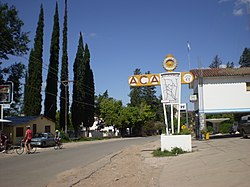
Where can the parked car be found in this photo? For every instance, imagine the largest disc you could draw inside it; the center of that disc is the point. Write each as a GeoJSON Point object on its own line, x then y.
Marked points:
{"type": "Point", "coordinates": [244, 126]}
{"type": "Point", "coordinates": [43, 140]}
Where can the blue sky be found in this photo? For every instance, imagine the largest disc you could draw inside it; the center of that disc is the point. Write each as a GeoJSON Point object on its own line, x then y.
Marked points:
{"type": "Point", "coordinates": [127, 34]}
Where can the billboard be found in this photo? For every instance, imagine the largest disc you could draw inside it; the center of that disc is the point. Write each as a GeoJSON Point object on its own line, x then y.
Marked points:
{"type": "Point", "coordinates": [171, 87]}
{"type": "Point", "coordinates": [6, 93]}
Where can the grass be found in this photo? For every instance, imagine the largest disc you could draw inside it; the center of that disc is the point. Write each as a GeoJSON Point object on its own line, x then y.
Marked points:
{"type": "Point", "coordinates": [174, 152]}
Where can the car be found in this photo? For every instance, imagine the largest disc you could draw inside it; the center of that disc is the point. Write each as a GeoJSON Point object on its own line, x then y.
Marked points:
{"type": "Point", "coordinates": [43, 139]}
{"type": "Point", "coordinates": [244, 126]}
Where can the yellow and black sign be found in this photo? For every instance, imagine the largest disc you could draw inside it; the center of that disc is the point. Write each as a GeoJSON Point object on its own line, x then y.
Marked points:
{"type": "Point", "coordinates": [154, 79]}
{"type": "Point", "coordinates": [144, 80]}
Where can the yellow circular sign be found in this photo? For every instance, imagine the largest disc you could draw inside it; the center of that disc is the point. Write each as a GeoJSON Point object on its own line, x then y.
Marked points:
{"type": "Point", "coordinates": [169, 63]}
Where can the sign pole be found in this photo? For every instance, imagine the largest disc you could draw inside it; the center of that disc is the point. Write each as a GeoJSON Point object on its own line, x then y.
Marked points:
{"type": "Point", "coordinates": [172, 118]}
{"type": "Point", "coordinates": [165, 117]}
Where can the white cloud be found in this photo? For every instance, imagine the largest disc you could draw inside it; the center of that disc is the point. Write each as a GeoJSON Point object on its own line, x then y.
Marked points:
{"type": "Point", "coordinates": [243, 1]}
{"type": "Point", "coordinates": [92, 34]}
{"type": "Point", "coordinates": [223, 1]}
{"type": "Point", "coordinates": [238, 12]}
{"type": "Point", "coordinates": [239, 6]}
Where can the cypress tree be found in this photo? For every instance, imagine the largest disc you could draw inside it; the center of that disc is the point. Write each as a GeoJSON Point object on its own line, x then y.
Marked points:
{"type": "Point", "coordinates": [64, 76]}
{"type": "Point", "coordinates": [50, 103]}
{"type": "Point", "coordinates": [76, 111]}
{"type": "Point", "coordinates": [33, 97]}
{"type": "Point", "coordinates": [89, 90]}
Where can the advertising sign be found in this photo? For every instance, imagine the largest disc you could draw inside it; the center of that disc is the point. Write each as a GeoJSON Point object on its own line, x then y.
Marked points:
{"type": "Point", "coordinates": [171, 87]}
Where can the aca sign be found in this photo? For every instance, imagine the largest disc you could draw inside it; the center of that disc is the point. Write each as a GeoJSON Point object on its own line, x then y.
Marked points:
{"type": "Point", "coordinates": [144, 80]}
{"type": "Point", "coordinates": [154, 79]}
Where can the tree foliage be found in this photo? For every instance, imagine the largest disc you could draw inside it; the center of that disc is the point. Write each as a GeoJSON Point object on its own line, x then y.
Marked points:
{"type": "Point", "coordinates": [110, 111]}
{"type": "Point", "coordinates": [64, 95]}
{"type": "Point", "coordinates": [50, 103]}
{"type": "Point", "coordinates": [33, 86]}
{"type": "Point", "coordinates": [216, 62]}
{"type": "Point", "coordinates": [245, 58]}
{"type": "Point", "coordinates": [77, 107]}
{"type": "Point", "coordinates": [15, 73]}
{"type": "Point", "coordinates": [135, 92]}
{"type": "Point", "coordinates": [89, 90]}
{"type": "Point", "coordinates": [13, 41]}
{"type": "Point", "coordinates": [230, 65]}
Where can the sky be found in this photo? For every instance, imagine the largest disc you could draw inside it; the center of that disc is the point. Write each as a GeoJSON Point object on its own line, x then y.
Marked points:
{"type": "Point", "coordinates": [123, 35]}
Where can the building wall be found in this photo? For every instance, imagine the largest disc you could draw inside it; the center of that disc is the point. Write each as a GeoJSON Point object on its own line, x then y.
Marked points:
{"type": "Point", "coordinates": [223, 94]}
{"type": "Point", "coordinates": [40, 122]}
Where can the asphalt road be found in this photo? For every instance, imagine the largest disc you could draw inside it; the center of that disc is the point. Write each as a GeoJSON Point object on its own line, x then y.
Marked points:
{"type": "Point", "coordinates": [39, 168]}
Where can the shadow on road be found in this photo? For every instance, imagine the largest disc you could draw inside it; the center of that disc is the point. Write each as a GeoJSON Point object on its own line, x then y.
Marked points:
{"type": "Point", "coordinates": [218, 136]}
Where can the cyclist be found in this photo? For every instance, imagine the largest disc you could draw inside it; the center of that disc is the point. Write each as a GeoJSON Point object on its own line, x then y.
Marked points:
{"type": "Point", "coordinates": [57, 136]}
{"type": "Point", "coordinates": [27, 139]}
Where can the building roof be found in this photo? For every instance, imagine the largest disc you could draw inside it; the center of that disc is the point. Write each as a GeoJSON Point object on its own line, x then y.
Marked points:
{"type": "Point", "coordinates": [220, 72]}
{"type": "Point", "coordinates": [20, 120]}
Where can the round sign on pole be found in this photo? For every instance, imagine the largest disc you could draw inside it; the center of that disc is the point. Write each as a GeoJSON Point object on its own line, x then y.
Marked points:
{"type": "Point", "coordinates": [169, 63]}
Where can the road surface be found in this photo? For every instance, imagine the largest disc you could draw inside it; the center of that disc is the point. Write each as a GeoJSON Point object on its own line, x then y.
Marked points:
{"type": "Point", "coordinates": [39, 168]}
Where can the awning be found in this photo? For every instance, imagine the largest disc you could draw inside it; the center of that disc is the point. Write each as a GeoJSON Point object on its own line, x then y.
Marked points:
{"type": "Point", "coordinates": [5, 121]}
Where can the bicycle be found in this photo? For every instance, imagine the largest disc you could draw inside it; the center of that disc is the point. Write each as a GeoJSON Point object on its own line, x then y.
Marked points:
{"type": "Point", "coordinates": [20, 148]}
{"type": "Point", "coordinates": [9, 148]}
{"type": "Point", "coordinates": [58, 145]}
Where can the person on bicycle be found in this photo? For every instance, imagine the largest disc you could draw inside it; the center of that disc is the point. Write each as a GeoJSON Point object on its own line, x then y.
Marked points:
{"type": "Point", "coordinates": [57, 136]}
{"type": "Point", "coordinates": [27, 139]}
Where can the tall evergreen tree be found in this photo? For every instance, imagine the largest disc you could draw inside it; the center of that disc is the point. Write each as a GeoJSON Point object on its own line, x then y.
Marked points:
{"type": "Point", "coordinates": [64, 77]}
{"type": "Point", "coordinates": [245, 58]}
{"type": "Point", "coordinates": [76, 110]}
{"type": "Point", "coordinates": [135, 92]}
{"type": "Point", "coordinates": [216, 62]}
{"type": "Point", "coordinates": [33, 97]}
{"type": "Point", "coordinates": [50, 103]}
{"type": "Point", "coordinates": [89, 90]}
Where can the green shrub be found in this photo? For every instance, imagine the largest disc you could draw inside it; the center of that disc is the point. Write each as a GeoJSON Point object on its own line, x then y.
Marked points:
{"type": "Point", "coordinates": [210, 129]}
{"type": "Point", "coordinates": [174, 152]}
{"type": "Point", "coordinates": [225, 128]}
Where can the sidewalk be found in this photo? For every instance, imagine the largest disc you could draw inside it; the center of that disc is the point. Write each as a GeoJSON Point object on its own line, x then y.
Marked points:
{"type": "Point", "coordinates": [214, 163]}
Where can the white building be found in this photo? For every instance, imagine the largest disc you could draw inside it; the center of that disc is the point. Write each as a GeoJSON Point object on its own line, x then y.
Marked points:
{"type": "Point", "coordinates": [221, 90]}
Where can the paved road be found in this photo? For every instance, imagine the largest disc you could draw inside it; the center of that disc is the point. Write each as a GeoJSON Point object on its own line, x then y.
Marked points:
{"type": "Point", "coordinates": [40, 168]}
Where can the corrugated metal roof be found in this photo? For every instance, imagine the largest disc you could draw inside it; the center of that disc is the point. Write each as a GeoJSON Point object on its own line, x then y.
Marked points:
{"type": "Point", "coordinates": [20, 120]}
{"type": "Point", "coordinates": [220, 72]}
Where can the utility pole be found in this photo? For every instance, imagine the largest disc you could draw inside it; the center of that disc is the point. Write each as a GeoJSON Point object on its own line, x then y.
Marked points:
{"type": "Point", "coordinates": [65, 84]}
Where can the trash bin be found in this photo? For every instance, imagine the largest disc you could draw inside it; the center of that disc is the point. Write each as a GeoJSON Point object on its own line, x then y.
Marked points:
{"type": "Point", "coordinates": [207, 136]}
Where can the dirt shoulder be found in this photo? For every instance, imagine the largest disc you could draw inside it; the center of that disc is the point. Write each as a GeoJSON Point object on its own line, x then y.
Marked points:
{"type": "Point", "coordinates": [132, 167]}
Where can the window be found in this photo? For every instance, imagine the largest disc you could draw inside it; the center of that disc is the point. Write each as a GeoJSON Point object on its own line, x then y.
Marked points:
{"type": "Point", "coordinates": [248, 86]}
{"type": "Point", "coordinates": [34, 128]}
{"type": "Point", "coordinates": [19, 132]}
{"type": "Point", "coordinates": [47, 128]}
